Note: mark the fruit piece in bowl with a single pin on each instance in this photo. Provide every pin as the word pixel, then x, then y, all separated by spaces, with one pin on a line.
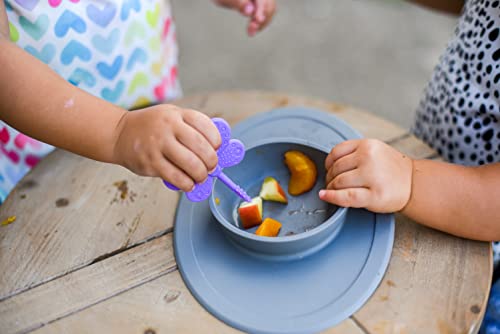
pixel 269 228
pixel 272 191
pixel 251 213
pixel 303 172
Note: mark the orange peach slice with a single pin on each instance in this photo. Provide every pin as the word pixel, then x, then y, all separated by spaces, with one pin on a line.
pixel 269 228
pixel 251 212
pixel 272 191
pixel 303 172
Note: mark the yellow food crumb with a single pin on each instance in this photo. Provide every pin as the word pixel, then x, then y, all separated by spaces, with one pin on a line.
pixel 9 220
pixel 217 200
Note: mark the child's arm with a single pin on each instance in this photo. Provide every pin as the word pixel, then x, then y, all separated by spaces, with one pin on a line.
pixel 450 6
pixel 463 201
pixel 173 143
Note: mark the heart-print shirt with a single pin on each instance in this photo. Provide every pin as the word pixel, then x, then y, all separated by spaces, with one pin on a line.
pixel 123 51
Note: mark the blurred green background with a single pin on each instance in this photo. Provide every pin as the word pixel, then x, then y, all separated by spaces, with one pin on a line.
pixel 373 54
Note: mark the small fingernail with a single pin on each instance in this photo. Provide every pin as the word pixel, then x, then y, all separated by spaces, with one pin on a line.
pixel 194 186
pixel 213 170
pixel 322 193
pixel 248 9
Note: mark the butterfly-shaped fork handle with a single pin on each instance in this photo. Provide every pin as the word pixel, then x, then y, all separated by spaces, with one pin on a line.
pixel 230 153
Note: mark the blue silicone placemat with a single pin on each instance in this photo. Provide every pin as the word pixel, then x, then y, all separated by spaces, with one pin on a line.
pixel 305 296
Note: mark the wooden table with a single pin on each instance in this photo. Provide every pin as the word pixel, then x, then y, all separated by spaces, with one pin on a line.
pixel 90 253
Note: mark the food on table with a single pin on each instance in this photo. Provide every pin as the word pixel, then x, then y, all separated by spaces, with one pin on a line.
pixel 251 213
pixel 272 191
pixel 303 172
pixel 269 228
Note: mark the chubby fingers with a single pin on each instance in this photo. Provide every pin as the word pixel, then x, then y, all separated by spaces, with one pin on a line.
pixel 260 11
pixel 198 144
pixel 186 160
pixel 350 179
pixel 342 165
pixel 340 150
pixel 262 15
pixel 349 198
pixel 204 125
pixel 174 175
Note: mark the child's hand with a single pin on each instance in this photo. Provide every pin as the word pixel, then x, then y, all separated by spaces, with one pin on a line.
pixel 368 174
pixel 260 12
pixel 175 144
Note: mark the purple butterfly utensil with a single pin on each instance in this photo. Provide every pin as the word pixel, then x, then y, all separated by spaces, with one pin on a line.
pixel 230 153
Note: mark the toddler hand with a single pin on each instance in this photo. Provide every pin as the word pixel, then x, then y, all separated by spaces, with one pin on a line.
pixel 368 174
pixel 175 144
pixel 260 12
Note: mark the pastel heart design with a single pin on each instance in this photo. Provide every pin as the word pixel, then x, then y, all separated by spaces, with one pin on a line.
pixel 152 16
pixel 102 17
pixel 35 29
pixel 80 75
pixel 112 95
pixel 173 74
pixel 31 160
pixel 46 55
pixel 156 68
pixel 14 34
pixel 27 4
pixel 56 3
pixel 136 30
pixel 69 20
pixel 141 102
pixel 75 49
pixel 110 71
pixel 140 79
pixel 166 28
pixel 154 44
pixel 22 140
pixel 159 90
pixel 127 6
pixel 4 135
pixel 15 173
pixel 138 55
pixel 12 155
pixel 106 45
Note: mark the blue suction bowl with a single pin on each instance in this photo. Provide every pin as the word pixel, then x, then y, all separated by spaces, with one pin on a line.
pixel 308 223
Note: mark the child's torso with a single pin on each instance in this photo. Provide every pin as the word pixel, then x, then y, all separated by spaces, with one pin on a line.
pixel 460 112
pixel 123 51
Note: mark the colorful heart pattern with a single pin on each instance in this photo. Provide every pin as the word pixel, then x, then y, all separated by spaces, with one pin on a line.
pixel 122 51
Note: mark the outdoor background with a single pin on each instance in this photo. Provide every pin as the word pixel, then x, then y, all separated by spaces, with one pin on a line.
pixel 373 54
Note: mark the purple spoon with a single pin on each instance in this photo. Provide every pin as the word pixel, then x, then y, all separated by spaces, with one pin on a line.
pixel 230 153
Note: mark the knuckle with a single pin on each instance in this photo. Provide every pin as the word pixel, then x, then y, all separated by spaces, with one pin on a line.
pixel 352 196
pixel 212 160
pixel 199 173
pixel 338 182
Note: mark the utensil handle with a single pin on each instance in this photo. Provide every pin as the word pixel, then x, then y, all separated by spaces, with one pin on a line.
pixel 234 187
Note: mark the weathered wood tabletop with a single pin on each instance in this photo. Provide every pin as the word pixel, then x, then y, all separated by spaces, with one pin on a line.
pixel 91 249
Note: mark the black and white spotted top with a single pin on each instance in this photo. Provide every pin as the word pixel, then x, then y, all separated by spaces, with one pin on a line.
pixel 459 114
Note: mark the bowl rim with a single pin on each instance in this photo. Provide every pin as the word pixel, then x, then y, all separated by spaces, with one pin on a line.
pixel 335 218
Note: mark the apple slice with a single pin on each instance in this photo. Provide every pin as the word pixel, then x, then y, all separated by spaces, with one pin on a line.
pixel 272 191
pixel 269 228
pixel 251 212
pixel 303 172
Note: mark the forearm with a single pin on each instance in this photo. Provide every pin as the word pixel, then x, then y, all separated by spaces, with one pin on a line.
pixel 449 6
pixel 464 201
pixel 39 103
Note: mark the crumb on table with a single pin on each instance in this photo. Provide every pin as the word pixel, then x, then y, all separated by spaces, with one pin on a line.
pixel 9 220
